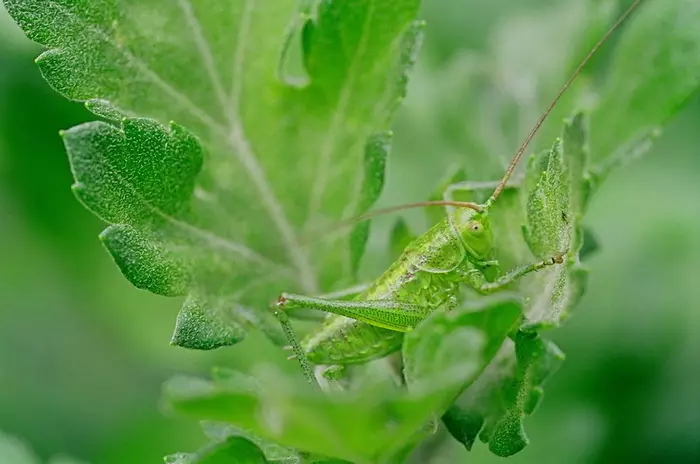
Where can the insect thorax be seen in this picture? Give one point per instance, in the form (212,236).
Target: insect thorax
(426,275)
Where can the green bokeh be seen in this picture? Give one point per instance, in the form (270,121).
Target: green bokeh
(83,354)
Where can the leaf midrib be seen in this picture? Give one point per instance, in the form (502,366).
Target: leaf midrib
(234,139)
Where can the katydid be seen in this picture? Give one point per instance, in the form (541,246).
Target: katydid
(426,278)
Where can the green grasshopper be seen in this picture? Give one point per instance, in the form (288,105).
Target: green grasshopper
(426,278)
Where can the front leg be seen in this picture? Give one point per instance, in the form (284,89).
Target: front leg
(476,279)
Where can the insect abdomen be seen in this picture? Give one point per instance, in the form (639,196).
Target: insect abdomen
(342,340)
(346,341)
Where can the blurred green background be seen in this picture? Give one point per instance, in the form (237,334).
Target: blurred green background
(83,353)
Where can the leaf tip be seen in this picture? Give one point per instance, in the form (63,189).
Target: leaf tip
(145,263)
(199,327)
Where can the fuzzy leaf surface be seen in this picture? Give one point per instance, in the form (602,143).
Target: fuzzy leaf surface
(374,421)
(554,208)
(511,388)
(214,207)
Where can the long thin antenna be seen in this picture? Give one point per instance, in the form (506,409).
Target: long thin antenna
(543,117)
(391,209)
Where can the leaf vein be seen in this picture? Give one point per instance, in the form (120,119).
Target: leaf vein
(236,139)
(205,53)
(210,238)
(143,68)
(244,152)
(324,163)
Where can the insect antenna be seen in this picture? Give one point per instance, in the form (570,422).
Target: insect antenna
(514,162)
(391,209)
(502,184)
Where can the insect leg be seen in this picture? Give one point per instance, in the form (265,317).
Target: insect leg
(343,294)
(296,346)
(388,314)
(476,279)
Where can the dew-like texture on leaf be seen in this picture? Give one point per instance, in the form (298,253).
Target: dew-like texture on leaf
(218,209)
(554,208)
(372,422)
(511,387)
(654,71)
(231,450)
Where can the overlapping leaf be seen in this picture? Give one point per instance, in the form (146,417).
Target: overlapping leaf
(370,423)
(217,210)
(556,196)
(510,388)
(554,192)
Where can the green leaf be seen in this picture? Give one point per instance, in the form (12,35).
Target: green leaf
(217,211)
(358,426)
(454,175)
(471,335)
(373,421)
(590,244)
(654,71)
(376,152)
(232,450)
(199,329)
(221,431)
(511,387)
(401,237)
(554,210)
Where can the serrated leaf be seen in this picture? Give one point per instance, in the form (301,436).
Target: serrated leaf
(198,328)
(280,158)
(654,71)
(555,206)
(220,431)
(373,421)
(231,450)
(493,408)
(550,217)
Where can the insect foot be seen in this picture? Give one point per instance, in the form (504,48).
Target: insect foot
(281,301)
